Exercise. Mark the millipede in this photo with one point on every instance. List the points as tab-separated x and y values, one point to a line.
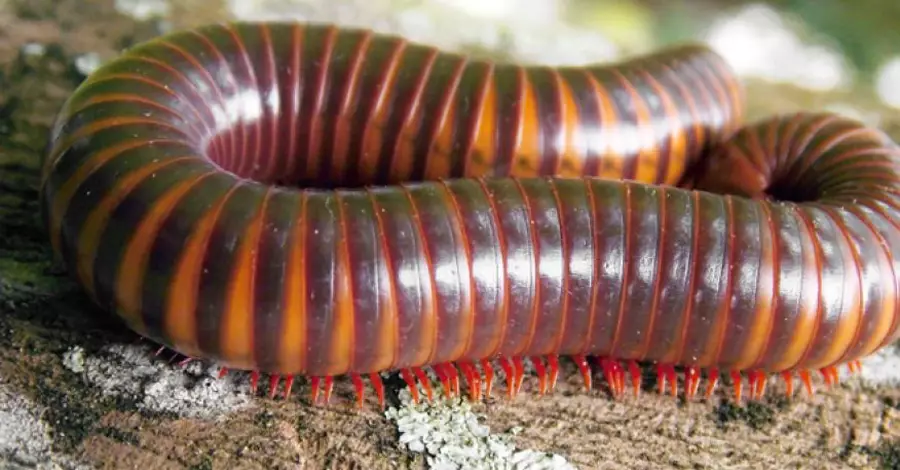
327	202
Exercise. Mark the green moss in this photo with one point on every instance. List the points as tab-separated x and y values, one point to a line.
887	454
119	435
206	463
42	312
756	414
73	410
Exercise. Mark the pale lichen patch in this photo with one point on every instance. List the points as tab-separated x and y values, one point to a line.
192	391
451	436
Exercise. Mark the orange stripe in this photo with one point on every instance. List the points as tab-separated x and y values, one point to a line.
677	162
405	148
647	148
390	330
851	301
343	126
604	139
888	300
133	266
293	342
573	153
342	336
766	291
373	133
428	311
527	156
236	331
316	120
482	157
180	321
67	190
808	310
438	164
92	231
441	146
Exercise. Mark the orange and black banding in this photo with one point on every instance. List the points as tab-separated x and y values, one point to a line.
309	200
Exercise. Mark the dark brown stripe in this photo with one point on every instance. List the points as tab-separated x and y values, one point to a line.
372	82
642	236
509	83
256	45
127	216
318	45
480	327
368	278
514	230
711	267
350	50
409	272
413	73
589	119
241	207
440	91
470	95
449	268
611	209
676	264
168	248
276	242
548	97
551	267
322	247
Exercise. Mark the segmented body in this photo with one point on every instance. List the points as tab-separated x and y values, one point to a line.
455	211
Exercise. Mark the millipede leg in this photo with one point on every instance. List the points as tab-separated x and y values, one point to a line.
788	378
807	382
553	365
472	382
635	371
329	386
610	373
666	373
830	375
738	382
288	385
314	390
453	373
379	387
520	372
446	380
411	382
541	373
273	384
757	380
691	382
254	380
426	383
585	369
510	376
359	388
488	377
752	377
712	379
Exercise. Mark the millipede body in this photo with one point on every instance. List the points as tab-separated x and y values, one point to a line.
312	200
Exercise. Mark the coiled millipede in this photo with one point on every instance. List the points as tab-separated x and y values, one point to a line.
311	200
